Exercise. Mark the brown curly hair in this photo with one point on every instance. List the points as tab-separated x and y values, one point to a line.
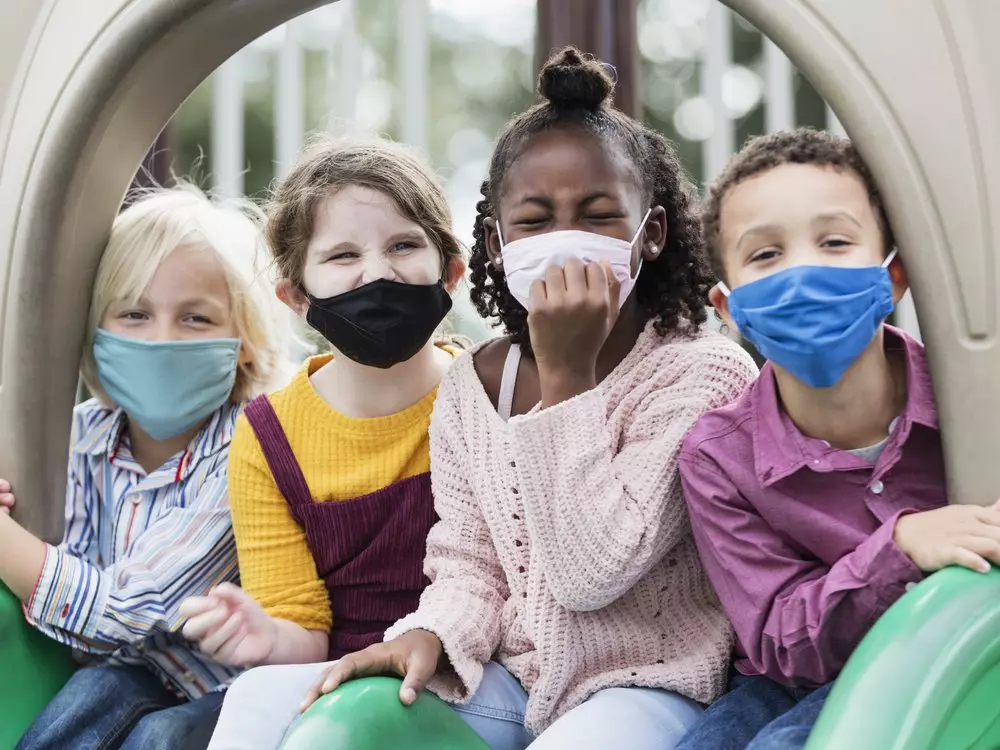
765	152
575	91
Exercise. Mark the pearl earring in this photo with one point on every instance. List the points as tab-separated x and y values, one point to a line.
499	261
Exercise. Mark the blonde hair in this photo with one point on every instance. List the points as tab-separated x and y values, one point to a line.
160	221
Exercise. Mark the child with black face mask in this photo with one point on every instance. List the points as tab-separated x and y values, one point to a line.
329	483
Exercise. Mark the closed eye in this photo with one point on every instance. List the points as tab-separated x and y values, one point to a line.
836	242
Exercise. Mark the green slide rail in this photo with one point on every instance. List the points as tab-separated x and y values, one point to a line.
927	676
33	668
366	714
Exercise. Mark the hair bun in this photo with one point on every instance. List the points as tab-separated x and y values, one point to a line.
572	80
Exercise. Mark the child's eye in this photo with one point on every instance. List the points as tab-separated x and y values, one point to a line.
340	257
133	315
836	242
198	319
768	253
604	217
402	247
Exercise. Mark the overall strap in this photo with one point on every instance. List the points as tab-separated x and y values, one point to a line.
505	402
280	459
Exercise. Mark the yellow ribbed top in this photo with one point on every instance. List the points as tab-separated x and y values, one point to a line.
342	458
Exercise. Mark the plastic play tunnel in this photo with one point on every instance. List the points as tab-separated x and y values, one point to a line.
33	668
927	676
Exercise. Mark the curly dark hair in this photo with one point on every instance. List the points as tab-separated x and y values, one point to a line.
575	91
797	146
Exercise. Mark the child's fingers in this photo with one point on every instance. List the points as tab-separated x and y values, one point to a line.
966	558
358	664
5	486
203	625
197	605
418	671
232	595
6	499
212	643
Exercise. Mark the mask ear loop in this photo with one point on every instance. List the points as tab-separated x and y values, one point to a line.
499	259
890	258
642	226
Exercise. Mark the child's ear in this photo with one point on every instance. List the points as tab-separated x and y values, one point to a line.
492	241
292	296
900	281
720	302
654	235
454	274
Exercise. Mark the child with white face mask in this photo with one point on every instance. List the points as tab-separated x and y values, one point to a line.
183	330
567	606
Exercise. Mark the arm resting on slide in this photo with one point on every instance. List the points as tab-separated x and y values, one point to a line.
926	676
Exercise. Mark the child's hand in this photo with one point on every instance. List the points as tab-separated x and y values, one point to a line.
965	535
229	626
570	316
6	496
414	656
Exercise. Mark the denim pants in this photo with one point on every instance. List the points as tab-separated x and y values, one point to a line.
758	714
262	704
116	708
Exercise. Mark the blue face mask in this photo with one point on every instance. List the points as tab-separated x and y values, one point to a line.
814	321
166	387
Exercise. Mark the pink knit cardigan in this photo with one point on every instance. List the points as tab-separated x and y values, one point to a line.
564	550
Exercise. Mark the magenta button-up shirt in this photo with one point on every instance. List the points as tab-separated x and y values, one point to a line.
796	535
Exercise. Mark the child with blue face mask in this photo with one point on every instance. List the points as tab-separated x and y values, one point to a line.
183	329
818	498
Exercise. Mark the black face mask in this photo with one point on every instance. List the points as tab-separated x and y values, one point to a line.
382	323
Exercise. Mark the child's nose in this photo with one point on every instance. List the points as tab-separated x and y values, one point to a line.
378	269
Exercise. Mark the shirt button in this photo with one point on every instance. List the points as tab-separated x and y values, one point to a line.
876	487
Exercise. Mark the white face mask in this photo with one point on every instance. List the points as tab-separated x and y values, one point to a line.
526	260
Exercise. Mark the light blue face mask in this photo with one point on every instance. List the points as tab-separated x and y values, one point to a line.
166	387
814	321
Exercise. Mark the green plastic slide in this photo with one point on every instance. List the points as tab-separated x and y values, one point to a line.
366	714
927	676
33	668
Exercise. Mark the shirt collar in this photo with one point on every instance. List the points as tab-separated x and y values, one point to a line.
780	449
104	434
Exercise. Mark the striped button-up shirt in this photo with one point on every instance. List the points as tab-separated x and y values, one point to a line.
136	545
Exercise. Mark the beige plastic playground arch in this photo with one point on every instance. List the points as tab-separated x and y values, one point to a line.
86	86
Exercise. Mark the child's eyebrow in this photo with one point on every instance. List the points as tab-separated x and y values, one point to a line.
759	230
413	235
832	216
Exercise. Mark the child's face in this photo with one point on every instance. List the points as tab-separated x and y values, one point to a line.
797	215
360	236
568	179
187	298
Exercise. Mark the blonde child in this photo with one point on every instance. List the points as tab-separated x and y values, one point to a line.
329	483
182	330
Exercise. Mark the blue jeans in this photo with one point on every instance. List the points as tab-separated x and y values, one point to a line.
262	705
633	717
116	708
758	714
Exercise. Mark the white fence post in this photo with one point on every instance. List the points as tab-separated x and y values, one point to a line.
414	68
289	102
779	91
716	59
346	77
227	155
